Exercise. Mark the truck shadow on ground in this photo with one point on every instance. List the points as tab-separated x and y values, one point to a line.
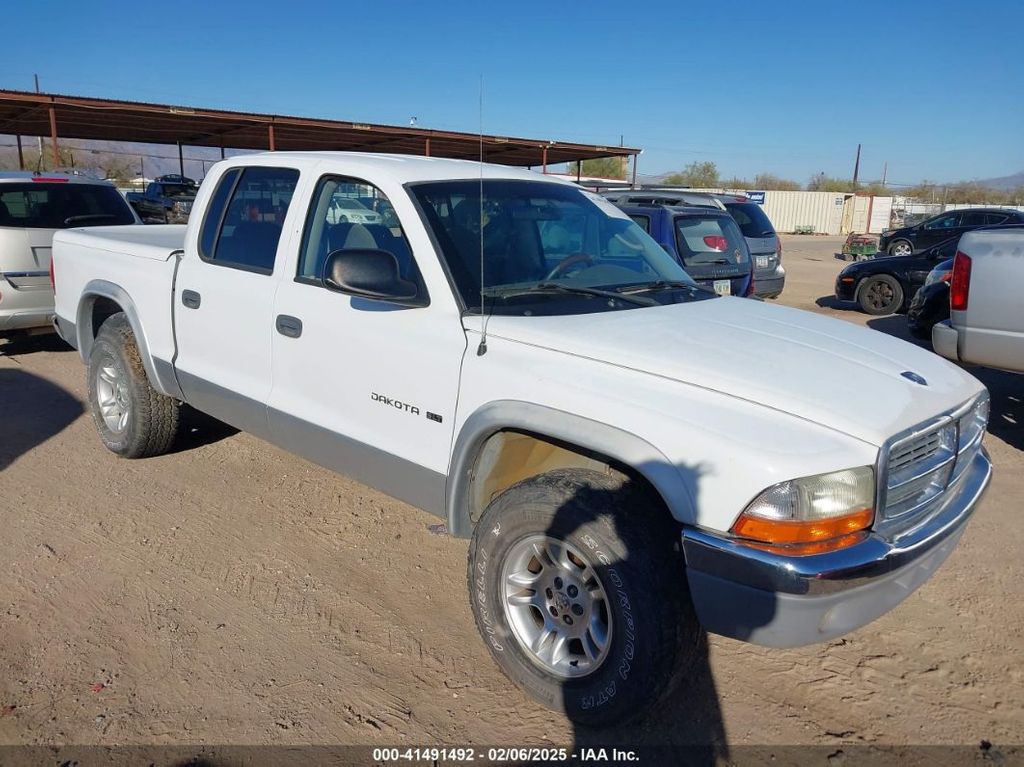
197	429
32	409
1006	421
18	346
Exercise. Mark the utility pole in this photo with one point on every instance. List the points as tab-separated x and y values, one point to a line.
885	171
856	168
39	163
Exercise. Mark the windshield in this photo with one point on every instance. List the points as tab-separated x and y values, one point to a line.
705	240
60	206
538	235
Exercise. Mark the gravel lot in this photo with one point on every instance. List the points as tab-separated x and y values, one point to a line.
232	593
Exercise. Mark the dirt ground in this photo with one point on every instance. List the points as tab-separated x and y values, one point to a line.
232	593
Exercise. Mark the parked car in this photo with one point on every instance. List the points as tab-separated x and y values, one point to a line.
349	209
931	302
886	285
762	241
167	200
706	241
985	325
765	245
631	456
32	207
932	231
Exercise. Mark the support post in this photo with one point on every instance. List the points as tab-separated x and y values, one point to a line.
222	151
544	160
53	137
181	160
426	148
635	158
270	136
21	155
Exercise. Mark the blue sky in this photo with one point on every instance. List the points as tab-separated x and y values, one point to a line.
934	88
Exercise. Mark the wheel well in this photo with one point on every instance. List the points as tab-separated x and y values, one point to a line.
508	457
102	309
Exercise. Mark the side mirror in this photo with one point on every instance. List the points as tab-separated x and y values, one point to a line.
369	274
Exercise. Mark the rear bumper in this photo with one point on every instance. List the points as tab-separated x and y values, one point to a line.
786	601
946	340
770	284
25	307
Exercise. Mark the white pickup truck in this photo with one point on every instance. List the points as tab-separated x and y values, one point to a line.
986	324
632	456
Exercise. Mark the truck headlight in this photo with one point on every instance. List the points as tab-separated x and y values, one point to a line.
811	514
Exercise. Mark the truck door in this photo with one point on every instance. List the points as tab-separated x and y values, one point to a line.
365	387
224	297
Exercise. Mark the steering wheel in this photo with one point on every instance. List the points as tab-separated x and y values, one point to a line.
569	261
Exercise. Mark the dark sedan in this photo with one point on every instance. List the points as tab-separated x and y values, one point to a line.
886	285
934	230
931	302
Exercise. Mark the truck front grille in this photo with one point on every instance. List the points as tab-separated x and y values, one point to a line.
920	466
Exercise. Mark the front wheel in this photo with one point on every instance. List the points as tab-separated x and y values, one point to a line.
133	419
578	588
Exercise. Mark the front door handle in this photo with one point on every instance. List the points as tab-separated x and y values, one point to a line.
289	326
191	299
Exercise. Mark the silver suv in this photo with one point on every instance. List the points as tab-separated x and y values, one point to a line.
32	207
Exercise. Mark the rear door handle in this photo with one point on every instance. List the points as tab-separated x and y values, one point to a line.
191	299
289	326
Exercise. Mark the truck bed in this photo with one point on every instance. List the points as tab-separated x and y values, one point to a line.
153	241
133	266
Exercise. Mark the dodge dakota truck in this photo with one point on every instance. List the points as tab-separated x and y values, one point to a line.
633	458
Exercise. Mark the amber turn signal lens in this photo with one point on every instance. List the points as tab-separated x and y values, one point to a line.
785	532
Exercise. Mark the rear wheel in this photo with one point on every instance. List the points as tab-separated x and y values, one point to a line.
881	294
132	418
901	248
578	589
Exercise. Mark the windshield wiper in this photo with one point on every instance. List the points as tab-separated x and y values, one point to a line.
559	287
656	285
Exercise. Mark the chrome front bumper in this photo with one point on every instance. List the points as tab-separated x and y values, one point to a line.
788	601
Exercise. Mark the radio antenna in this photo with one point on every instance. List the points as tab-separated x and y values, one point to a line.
481	350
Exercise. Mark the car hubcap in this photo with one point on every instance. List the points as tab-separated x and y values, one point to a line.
880	295
901	250
112	394
556	606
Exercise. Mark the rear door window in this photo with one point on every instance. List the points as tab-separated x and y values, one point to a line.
949	221
996	218
41	205
705	240
250	227
974	219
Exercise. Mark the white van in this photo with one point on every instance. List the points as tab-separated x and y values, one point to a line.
32	207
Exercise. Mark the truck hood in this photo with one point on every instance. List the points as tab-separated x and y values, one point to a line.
824	370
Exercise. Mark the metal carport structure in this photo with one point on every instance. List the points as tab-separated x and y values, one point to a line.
61	116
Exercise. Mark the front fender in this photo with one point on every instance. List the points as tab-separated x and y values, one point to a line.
551	423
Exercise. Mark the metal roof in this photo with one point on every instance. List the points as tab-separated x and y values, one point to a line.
38	114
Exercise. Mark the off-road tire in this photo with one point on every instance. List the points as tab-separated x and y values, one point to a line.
655	632
152	418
